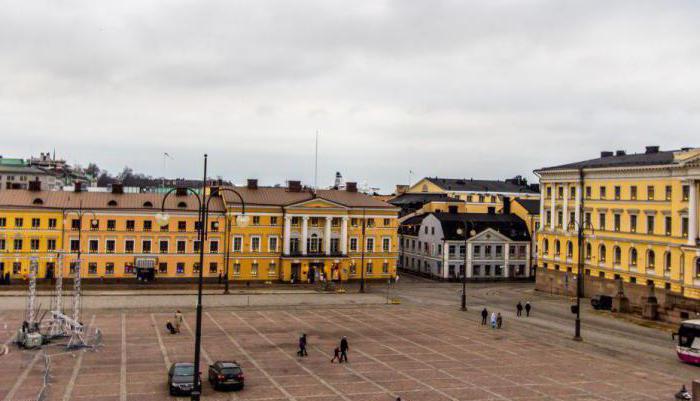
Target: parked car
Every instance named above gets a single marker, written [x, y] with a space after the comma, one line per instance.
[226, 375]
[602, 302]
[181, 378]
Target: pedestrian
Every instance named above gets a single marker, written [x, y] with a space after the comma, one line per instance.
[344, 349]
[396, 281]
[178, 320]
[519, 308]
[219, 277]
[336, 355]
[170, 327]
[493, 320]
[528, 307]
[302, 346]
[499, 320]
[484, 316]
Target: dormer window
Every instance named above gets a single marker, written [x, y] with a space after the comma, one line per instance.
[38, 201]
[112, 203]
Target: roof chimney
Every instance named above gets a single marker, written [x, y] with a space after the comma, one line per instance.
[77, 186]
[606, 153]
[351, 186]
[620, 153]
[506, 205]
[252, 183]
[35, 185]
[294, 186]
[652, 149]
[117, 188]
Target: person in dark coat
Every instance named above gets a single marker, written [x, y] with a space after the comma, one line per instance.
[302, 346]
[528, 307]
[336, 355]
[519, 309]
[484, 316]
[344, 347]
[499, 320]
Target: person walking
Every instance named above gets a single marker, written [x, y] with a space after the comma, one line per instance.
[499, 320]
[493, 320]
[178, 320]
[528, 308]
[336, 355]
[344, 347]
[302, 346]
[484, 316]
[519, 309]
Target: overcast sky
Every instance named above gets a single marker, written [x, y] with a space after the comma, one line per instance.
[486, 89]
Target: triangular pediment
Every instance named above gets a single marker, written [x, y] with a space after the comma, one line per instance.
[489, 235]
[316, 203]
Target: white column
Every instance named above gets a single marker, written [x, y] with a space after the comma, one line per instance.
[553, 211]
[528, 262]
[304, 233]
[565, 209]
[693, 214]
[506, 259]
[577, 212]
[344, 235]
[542, 193]
[327, 235]
[287, 234]
[468, 268]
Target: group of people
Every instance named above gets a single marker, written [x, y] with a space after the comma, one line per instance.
[178, 319]
[497, 319]
[340, 353]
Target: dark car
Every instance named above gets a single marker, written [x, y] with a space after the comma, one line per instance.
[181, 378]
[602, 302]
[226, 375]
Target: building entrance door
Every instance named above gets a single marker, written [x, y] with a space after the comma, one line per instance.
[296, 272]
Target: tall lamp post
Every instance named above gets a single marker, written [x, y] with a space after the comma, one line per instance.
[162, 219]
[580, 226]
[362, 254]
[467, 234]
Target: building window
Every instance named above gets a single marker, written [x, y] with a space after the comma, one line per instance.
[214, 246]
[633, 257]
[272, 269]
[588, 192]
[650, 224]
[34, 244]
[651, 259]
[214, 226]
[254, 269]
[569, 249]
[237, 244]
[588, 250]
[353, 244]
[129, 246]
[650, 192]
[616, 221]
[36, 223]
[74, 245]
[668, 225]
[617, 255]
[273, 220]
[180, 268]
[633, 223]
[353, 269]
[272, 244]
[370, 223]
[667, 261]
[109, 268]
[19, 222]
[557, 248]
[52, 223]
[72, 267]
[587, 221]
[686, 192]
[602, 253]
[601, 221]
[669, 192]
[93, 245]
[181, 226]
[111, 225]
[549, 217]
[256, 220]
[110, 246]
[16, 267]
[213, 267]
[633, 192]
[387, 222]
[3, 221]
[163, 267]
[545, 246]
[165, 227]
[618, 191]
[684, 227]
[147, 225]
[195, 267]
[385, 268]
[130, 225]
[195, 245]
[369, 267]
[92, 268]
[255, 244]
[560, 218]
[386, 244]
[549, 192]
[163, 246]
[94, 225]
[603, 193]
[50, 245]
[236, 269]
[146, 246]
[560, 192]
[370, 245]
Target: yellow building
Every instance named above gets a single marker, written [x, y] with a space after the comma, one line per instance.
[292, 231]
[640, 219]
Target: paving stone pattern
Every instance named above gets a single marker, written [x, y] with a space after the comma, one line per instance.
[417, 353]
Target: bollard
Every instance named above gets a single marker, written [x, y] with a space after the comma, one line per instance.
[696, 390]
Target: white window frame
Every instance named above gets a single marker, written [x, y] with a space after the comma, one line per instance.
[143, 240]
[269, 243]
[272, 269]
[233, 243]
[218, 248]
[98, 245]
[252, 241]
[350, 241]
[367, 241]
[384, 239]
[167, 241]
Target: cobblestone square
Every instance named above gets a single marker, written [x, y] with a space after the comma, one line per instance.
[414, 352]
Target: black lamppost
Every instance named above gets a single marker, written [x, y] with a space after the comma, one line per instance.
[162, 220]
[466, 234]
[580, 226]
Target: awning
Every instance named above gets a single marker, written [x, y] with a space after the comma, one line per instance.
[145, 263]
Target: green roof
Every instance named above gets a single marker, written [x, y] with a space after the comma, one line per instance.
[13, 162]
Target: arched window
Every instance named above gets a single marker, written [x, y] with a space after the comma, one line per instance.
[651, 259]
[602, 253]
[147, 204]
[182, 205]
[667, 261]
[617, 255]
[633, 257]
[569, 249]
[588, 250]
[545, 246]
[112, 203]
[557, 247]
[38, 201]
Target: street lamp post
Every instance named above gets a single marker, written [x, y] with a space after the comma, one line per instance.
[162, 219]
[362, 254]
[464, 273]
[580, 225]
